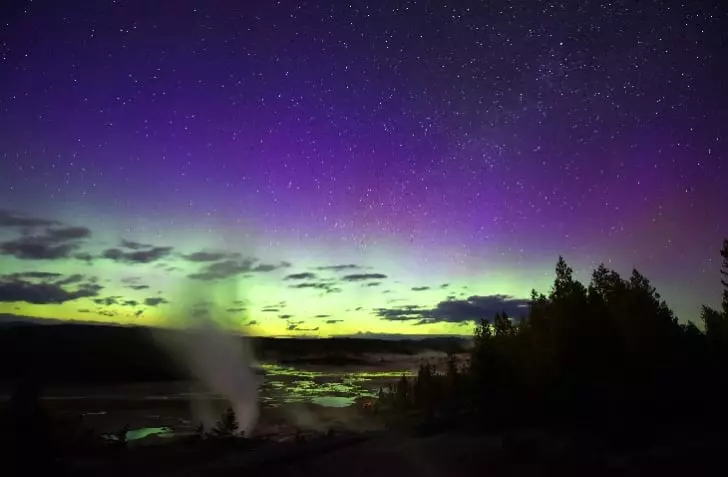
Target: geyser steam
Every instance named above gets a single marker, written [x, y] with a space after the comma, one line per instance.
[216, 353]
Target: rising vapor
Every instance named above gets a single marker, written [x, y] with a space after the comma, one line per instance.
[217, 355]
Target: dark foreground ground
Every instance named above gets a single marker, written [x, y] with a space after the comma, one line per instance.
[453, 452]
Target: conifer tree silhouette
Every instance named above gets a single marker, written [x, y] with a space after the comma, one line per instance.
[227, 426]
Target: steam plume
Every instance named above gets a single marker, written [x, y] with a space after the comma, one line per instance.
[219, 359]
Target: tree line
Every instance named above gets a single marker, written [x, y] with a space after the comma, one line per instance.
[606, 355]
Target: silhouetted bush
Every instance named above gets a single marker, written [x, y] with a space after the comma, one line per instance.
[429, 394]
[227, 426]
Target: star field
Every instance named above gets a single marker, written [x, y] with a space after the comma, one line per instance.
[423, 143]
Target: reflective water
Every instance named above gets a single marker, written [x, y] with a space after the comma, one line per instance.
[325, 387]
[331, 387]
[141, 433]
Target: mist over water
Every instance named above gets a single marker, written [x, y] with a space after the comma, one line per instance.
[216, 353]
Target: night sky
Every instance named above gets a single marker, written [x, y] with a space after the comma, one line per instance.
[374, 166]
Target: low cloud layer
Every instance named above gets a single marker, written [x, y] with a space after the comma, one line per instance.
[358, 277]
[49, 244]
[473, 308]
[135, 252]
[232, 268]
[326, 287]
[301, 276]
[297, 326]
[19, 290]
[338, 268]
[154, 301]
[9, 218]
[208, 256]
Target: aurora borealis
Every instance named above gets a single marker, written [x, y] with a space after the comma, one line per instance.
[334, 168]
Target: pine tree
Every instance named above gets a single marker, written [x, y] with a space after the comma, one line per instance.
[564, 279]
[228, 425]
[716, 323]
[403, 392]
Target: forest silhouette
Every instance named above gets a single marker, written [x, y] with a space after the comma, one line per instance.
[607, 356]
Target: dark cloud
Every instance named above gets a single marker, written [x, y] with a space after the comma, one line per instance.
[83, 310]
[36, 275]
[338, 268]
[372, 284]
[401, 313]
[321, 286]
[268, 267]
[154, 301]
[231, 268]
[51, 244]
[108, 301]
[138, 313]
[322, 316]
[285, 317]
[207, 256]
[270, 310]
[473, 308]
[301, 276]
[444, 285]
[296, 326]
[68, 233]
[235, 310]
[75, 278]
[135, 245]
[33, 248]
[356, 277]
[15, 290]
[54, 241]
[130, 303]
[420, 288]
[10, 218]
[139, 287]
[137, 256]
[326, 287]
[252, 322]
[331, 322]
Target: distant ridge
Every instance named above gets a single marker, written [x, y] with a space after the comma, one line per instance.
[9, 319]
